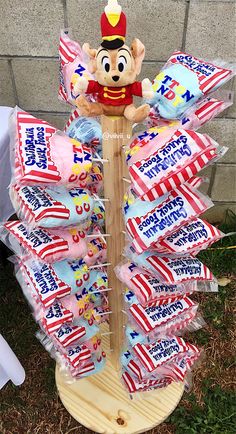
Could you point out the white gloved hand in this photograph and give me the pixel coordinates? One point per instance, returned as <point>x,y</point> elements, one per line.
<point>81,85</point>
<point>147,89</point>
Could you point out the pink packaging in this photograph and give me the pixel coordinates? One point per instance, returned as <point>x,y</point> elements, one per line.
<point>47,245</point>
<point>180,207</point>
<point>97,249</point>
<point>168,317</point>
<point>73,64</point>
<point>147,287</point>
<point>43,155</point>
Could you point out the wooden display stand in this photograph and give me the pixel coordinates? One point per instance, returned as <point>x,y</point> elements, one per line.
<point>100,402</point>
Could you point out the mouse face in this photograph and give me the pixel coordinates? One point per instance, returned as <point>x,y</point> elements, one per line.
<point>116,68</point>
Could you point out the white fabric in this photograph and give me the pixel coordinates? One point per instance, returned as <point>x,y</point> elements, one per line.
<point>6,208</point>
<point>10,367</point>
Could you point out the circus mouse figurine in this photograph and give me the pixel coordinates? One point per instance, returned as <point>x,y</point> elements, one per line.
<point>115,67</point>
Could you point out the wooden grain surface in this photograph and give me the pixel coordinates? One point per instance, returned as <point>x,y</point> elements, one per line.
<point>100,402</point>
<point>117,131</point>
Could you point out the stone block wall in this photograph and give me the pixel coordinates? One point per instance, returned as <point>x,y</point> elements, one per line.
<point>29,59</point>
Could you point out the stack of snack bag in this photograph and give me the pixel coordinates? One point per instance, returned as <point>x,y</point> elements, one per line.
<point>60,251</point>
<point>162,210</point>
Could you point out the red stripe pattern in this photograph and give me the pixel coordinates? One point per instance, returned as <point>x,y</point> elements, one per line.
<point>181,206</point>
<point>210,76</point>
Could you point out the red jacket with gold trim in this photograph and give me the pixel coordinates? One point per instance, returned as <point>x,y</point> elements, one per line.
<point>115,95</point>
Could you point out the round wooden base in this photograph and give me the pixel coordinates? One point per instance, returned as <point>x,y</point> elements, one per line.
<point>101,403</point>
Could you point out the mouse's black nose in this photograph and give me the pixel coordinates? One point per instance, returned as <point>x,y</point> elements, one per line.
<point>115,77</point>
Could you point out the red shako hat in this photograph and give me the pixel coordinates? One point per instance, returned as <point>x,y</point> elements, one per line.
<point>113,26</point>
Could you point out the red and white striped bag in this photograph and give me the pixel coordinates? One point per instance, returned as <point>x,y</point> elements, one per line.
<point>173,163</point>
<point>133,385</point>
<point>189,239</point>
<point>164,319</point>
<point>43,155</point>
<point>181,206</point>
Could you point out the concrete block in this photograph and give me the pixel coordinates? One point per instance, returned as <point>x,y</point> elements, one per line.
<point>224,188</point>
<point>217,213</point>
<point>207,173</point>
<point>158,24</point>
<point>7,97</point>
<point>223,131</point>
<point>231,112</point>
<point>150,70</point>
<point>211,29</point>
<point>30,27</point>
<point>54,119</point>
<point>37,83</point>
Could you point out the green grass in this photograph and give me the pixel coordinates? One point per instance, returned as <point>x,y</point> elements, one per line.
<point>216,416</point>
<point>218,258</point>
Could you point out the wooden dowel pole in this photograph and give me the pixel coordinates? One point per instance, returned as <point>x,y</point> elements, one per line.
<point>117,131</point>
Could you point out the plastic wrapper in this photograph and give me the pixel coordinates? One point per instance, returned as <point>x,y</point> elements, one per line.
<point>43,155</point>
<point>179,326</point>
<point>152,140</point>
<point>86,130</point>
<point>44,245</point>
<point>77,359</point>
<point>58,280</point>
<point>98,215</point>
<point>184,80</point>
<point>97,249</point>
<point>171,162</point>
<point>190,239</point>
<point>95,179</point>
<point>172,269</point>
<point>156,354</point>
<point>147,287</point>
<point>161,219</point>
<point>94,294</point>
<point>177,369</point>
<point>133,385</point>
<point>158,320</point>
<point>196,116</point>
<point>52,207</point>
<point>73,64</point>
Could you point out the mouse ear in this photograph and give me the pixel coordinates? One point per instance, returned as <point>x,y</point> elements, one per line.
<point>91,52</point>
<point>138,52</point>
